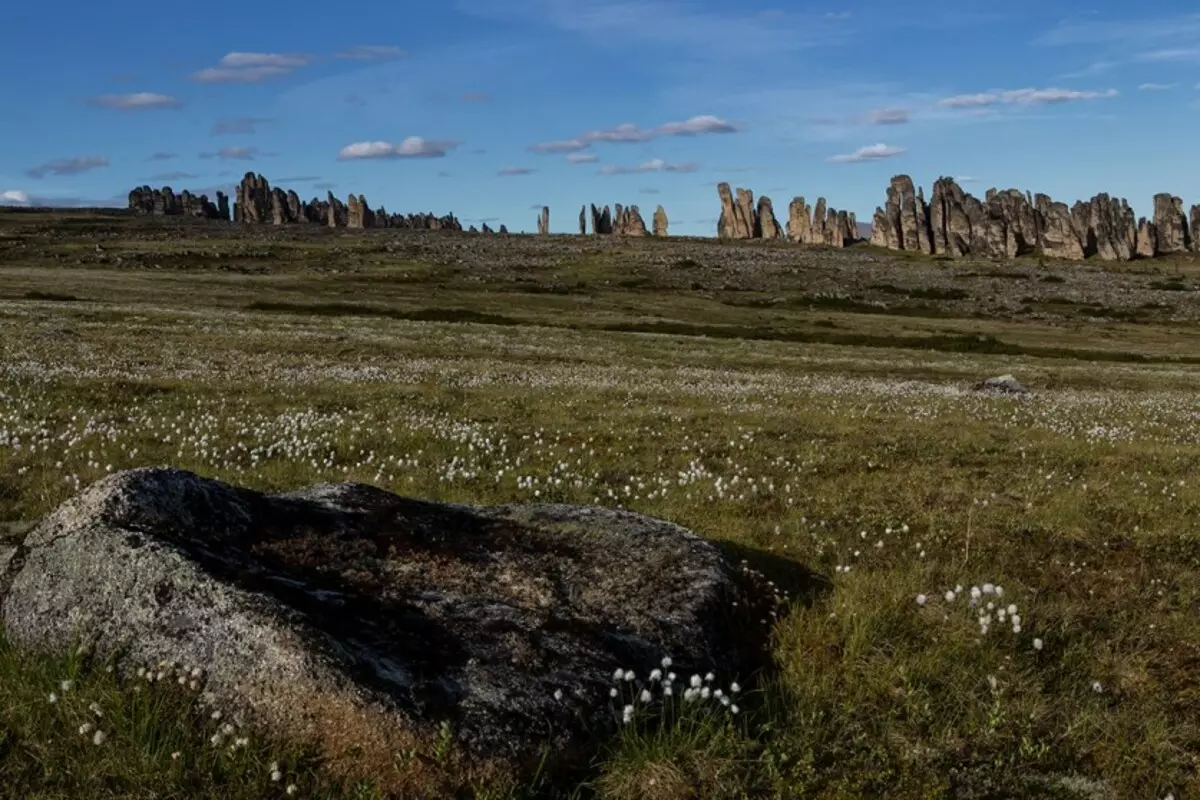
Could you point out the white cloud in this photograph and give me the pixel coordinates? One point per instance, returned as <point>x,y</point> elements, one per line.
<point>582,158</point>
<point>475,97</point>
<point>370,52</point>
<point>561,146</point>
<point>509,171</point>
<point>704,123</point>
<point>412,147</point>
<point>137,101</point>
<point>67,166</point>
<point>625,132</point>
<point>653,165</point>
<point>245,60</point>
<point>966,179</point>
<point>1029,97</point>
<point>14,197</point>
<point>162,156</point>
<point>1156,87</point>
<point>887,116</point>
<point>250,67</point>
<point>871,152</point>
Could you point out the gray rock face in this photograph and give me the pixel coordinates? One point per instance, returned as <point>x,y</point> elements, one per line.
<point>799,226</point>
<point>543,222</point>
<point>737,220</point>
<point>629,222</point>
<point>1057,237</point>
<point>583,220</point>
<point>661,223</point>
<point>1171,225</point>
<point>253,199</point>
<point>1195,227</point>
<point>767,226</point>
<point>347,608</point>
<point>1147,239</point>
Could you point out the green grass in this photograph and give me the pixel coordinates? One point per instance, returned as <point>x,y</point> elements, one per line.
<point>843,429</point>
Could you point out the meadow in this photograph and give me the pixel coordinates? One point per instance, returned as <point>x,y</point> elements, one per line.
<point>1007,586</point>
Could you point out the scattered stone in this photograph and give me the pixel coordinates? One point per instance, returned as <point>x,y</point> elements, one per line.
<point>1004,384</point>
<point>344,608</point>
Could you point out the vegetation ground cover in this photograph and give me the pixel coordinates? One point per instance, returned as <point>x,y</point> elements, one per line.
<point>695,381</point>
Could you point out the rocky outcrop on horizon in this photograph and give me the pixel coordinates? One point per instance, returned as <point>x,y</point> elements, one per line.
<point>821,226</point>
<point>1009,223</point>
<point>629,222</point>
<point>661,223</point>
<point>543,221</point>
<point>257,203</point>
<point>164,202</point>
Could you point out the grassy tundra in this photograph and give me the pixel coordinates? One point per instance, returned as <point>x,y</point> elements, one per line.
<point>1011,585</point>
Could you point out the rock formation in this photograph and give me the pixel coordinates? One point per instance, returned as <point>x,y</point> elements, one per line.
<point>1171,225</point>
<point>799,224</point>
<point>345,608</point>
<point>257,203</point>
<point>737,220</point>
<point>583,220</point>
<point>1195,227</point>
<point>766,227</point>
<point>629,222</point>
<point>1010,223</point>
<point>661,222</point>
<point>164,202</point>
<point>1147,238</point>
<point>543,222</point>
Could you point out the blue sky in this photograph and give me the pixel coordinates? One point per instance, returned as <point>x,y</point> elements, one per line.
<point>489,108</point>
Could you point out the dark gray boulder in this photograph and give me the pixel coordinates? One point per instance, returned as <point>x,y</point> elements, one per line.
<point>347,608</point>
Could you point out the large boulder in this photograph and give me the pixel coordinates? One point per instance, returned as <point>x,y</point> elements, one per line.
<point>1171,225</point>
<point>351,617</point>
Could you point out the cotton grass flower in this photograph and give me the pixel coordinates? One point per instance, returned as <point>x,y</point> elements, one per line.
<point>1037,644</point>
<point>99,737</point>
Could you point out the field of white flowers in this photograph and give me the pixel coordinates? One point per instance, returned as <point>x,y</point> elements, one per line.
<point>1010,584</point>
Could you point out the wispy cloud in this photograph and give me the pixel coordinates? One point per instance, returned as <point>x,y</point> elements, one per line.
<point>1028,97</point>
<point>1184,55</point>
<point>966,179</point>
<point>630,133</point>
<point>582,158</point>
<point>326,185</point>
<point>298,179</point>
<point>67,166</point>
<point>648,191</point>
<point>137,101</point>
<point>871,152</point>
<point>233,154</point>
<point>653,165</point>
<point>728,35</point>
<point>887,116</point>
<point>1129,32</point>
<point>475,97</point>
<point>173,176</point>
<point>510,171</point>
<point>239,125</point>
<point>1156,87</point>
<point>251,67</point>
<point>370,52</point>
<point>412,147</point>
<point>162,156</point>
<point>561,146</point>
